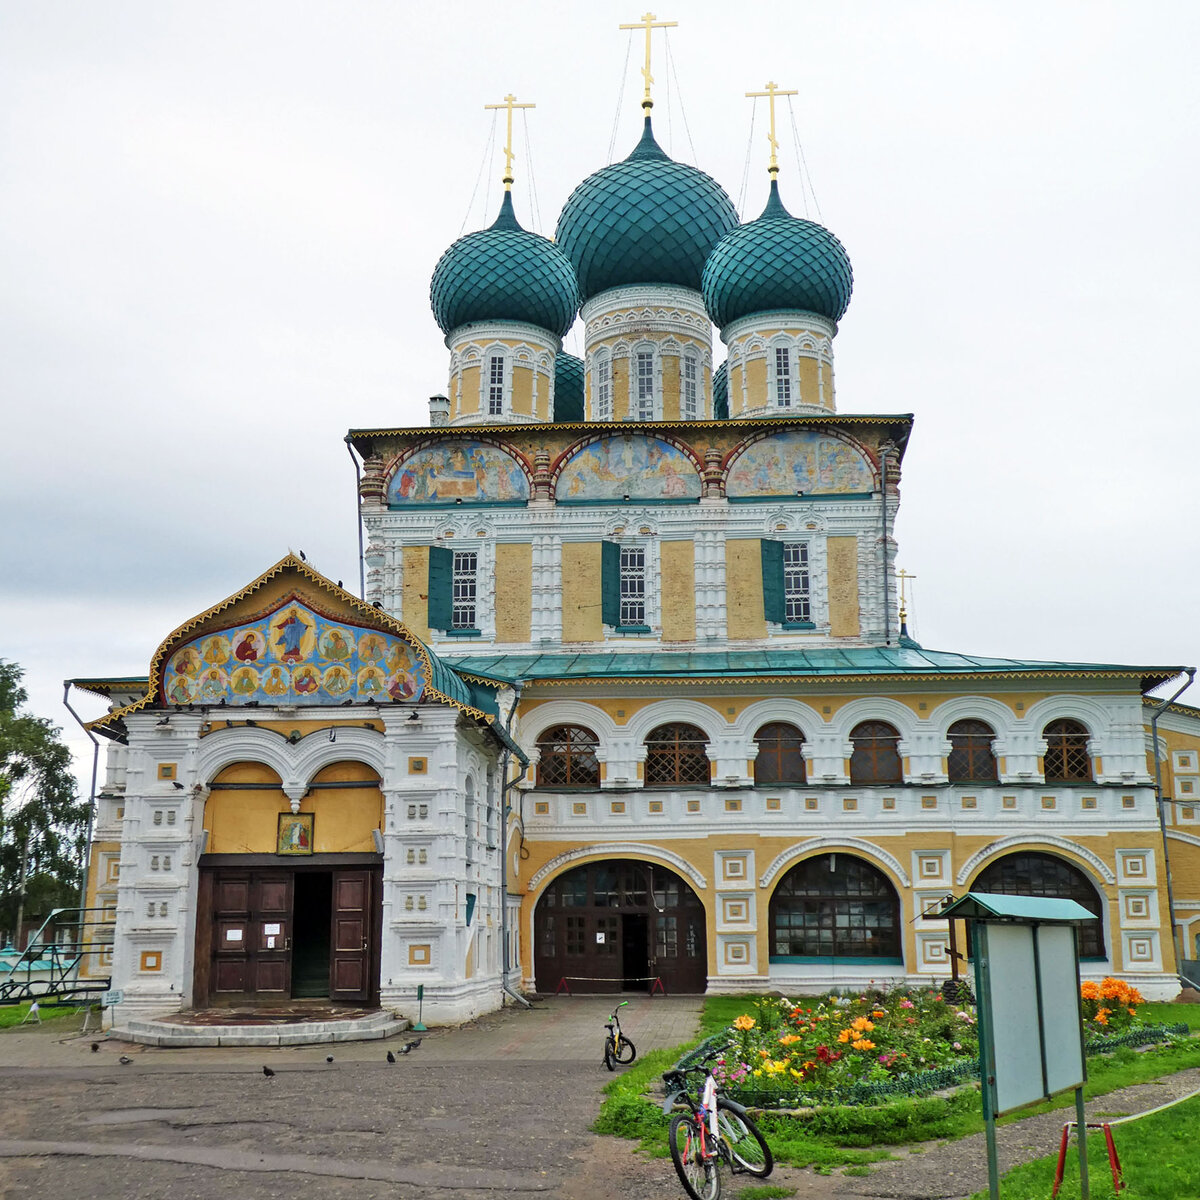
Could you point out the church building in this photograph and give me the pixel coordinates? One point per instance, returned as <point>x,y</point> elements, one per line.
<point>628,702</point>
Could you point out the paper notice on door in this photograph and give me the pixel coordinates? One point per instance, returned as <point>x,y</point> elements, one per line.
<point>233,935</point>
<point>271,942</point>
<point>600,939</point>
<point>272,929</point>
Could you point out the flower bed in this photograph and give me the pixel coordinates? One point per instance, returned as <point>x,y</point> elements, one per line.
<point>866,1048</point>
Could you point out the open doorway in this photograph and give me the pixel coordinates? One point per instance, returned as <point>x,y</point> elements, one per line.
<point>312,913</point>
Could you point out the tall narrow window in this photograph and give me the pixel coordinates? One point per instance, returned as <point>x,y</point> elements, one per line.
<point>633,585</point>
<point>466,565</point>
<point>604,403</point>
<point>783,377</point>
<point>495,385</point>
<point>795,582</point>
<point>644,385</point>
<point>687,388</point>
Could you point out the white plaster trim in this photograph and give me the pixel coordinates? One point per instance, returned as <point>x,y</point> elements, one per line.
<point>621,850</point>
<point>805,849</point>
<point>780,320</point>
<point>1034,841</point>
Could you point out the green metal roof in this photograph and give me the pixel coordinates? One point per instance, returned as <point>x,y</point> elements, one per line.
<point>568,388</point>
<point>911,663</point>
<point>989,905</point>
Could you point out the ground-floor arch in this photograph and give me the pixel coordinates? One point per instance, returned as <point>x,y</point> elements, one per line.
<point>618,925</point>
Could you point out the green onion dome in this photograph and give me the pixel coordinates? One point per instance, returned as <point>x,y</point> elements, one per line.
<point>720,384</point>
<point>647,219</point>
<point>568,387</point>
<point>777,262</point>
<point>504,273</point>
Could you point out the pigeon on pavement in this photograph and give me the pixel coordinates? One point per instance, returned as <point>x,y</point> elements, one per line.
<point>268,1073</point>
<point>391,1057</point>
<point>124,1060</point>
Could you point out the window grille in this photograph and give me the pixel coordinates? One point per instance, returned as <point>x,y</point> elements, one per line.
<point>604,409</point>
<point>876,755</point>
<point>567,757</point>
<point>687,399</point>
<point>780,754</point>
<point>495,385</point>
<point>666,937</point>
<point>633,585</point>
<point>971,759</point>
<point>795,582</point>
<point>676,754</point>
<point>1067,759</point>
<point>644,382</point>
<point>463,584</point>
<point>783,377</point>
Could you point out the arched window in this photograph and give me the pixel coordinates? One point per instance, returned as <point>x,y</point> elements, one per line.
<point>835,906</point>
<point>643,383</point>
<point>1029,873</point>
<point>676,754</point>
<point>1067,759</point>
<point>971,759</point>
<point>567,757</point>
<point>780,754</point>
<point>603,387</point>
<point>689,381</point>
<point>876,755</point>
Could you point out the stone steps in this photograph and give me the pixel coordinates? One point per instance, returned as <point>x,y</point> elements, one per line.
<point>170,1034</point>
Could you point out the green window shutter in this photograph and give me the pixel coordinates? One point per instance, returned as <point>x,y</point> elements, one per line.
<point>610,583</point>
<point>774,608</point>
<point>441,587</point>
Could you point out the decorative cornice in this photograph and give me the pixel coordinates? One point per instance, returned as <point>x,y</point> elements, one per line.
<point>496,330</point>
<point>781,320</point>
<point>644,296</point>
<point>803,850</point>
<point>1035,841</point>
<point>637,850</point>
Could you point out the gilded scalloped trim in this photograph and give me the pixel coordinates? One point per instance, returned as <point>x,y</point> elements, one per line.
<point>288,562</point>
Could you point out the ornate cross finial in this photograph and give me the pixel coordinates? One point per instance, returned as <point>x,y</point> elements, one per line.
<point>648,22</point>
<point>904,577</point>
<point>510,102</point>
<point>772,91</point>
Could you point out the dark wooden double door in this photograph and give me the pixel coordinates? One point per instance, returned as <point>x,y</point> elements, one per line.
<point>269,935</point>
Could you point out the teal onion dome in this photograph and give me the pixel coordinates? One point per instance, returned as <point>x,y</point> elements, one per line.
<point>720,384</point>
<point>646,219</point>
<point>504,273</point>
<point>568,387</point>
<point>777,262</point>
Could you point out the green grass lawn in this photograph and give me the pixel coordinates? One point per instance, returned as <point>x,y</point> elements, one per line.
<point>1160,1159</point>
<point>850,1136</point>
<point>11,1015</point>
<point>1172,1014</point>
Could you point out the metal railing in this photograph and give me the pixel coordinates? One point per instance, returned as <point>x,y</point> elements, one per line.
<point>61,960</point>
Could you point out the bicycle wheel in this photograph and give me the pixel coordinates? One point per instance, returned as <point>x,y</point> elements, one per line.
<point>747,1147</point>
<point>699,1175</point>
<point>610,1058</point>
<point>626,1052</point>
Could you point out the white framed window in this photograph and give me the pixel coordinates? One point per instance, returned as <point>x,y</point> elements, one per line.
<point>642,382</point>
<point>688,387</point>
<point>783,377</point>
<point>633,585</point>
<point>604,396</point>
<point>796,595</point>
<point>464,583</point>
<point>495,385</point>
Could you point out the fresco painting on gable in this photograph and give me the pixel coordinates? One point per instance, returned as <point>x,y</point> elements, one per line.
<point>459,470</point>
<point>798,460</point>
<point>292,656</point>
<point>633,465</point>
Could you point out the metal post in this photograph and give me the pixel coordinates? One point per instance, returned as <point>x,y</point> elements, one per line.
<point>1085,1190</point>
<point>987,1053</point>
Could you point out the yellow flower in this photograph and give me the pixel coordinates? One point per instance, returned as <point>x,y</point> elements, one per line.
<point>864,1044</point>
<point>744,1023</point>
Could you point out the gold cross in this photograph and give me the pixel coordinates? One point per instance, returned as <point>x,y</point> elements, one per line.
<point>648,23</point>
<point>903,576</point>
<point>772,91</point>
<point>510,102</point>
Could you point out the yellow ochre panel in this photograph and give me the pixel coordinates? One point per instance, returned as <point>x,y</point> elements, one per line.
<point>679,591</point>
<point>670,389</point>
<point>514,591</point>
<point>414,598</point>
<point>522,389</point>
<point>842,556</point>
<point>743,589</point>
<point>581,592</point>
<point>464,392</point>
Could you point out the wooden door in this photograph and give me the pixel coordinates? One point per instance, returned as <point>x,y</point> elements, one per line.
<point>251,934</point>
<point>229,976</point>
<point>271,893</point>
<point>352,971</point>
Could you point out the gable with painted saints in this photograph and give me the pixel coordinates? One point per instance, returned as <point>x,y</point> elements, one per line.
<point>458,471</point>
<point>293,655</point>
<point>628,466</point>
<point>799,460</point>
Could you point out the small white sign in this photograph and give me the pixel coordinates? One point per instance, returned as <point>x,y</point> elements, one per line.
<point>270,943</point>
<point>233,935</point>
<point>114,996</point>
<point>600,939</point>
<point>272,929</point>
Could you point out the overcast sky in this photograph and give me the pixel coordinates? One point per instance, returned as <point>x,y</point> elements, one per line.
<point>218,222</point>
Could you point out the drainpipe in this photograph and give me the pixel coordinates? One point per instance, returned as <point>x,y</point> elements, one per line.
<point>1162,817</point>
<point>362,562</point>
<point>885,451</point>
<point>87,843</point>
<point>505,958</point>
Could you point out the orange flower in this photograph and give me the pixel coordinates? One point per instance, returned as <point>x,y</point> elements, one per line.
<point>1089,990</point>
<point>845,1035</point>
<point>879,1013</point>
<point>862,1024</point>
<point>863,1044</point>
<point>744,1023</point>
<point>788,1039</point>
<point>1102,1016</point>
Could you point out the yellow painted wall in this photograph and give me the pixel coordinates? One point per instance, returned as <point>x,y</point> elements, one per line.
<point>810,384</point>
<point>514,591</point>
<point>679,591</point>
<point>620,385</point>
<point>756,384</point>
<point>522,389</point>
<point>670,389</point>
<point>415,591</point>
<point>464,392</point>
<point>842,557</point>
<point>581,592</point>
<point>743,589</point>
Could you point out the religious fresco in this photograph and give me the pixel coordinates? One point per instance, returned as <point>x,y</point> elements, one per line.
<point>799,460</point>
<point>292,656</point>
<point>458,470</point>
<point>633,465</point>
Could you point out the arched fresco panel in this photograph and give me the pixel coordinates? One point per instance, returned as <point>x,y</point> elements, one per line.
<point>292,655</point>
<point>798,460</point>
<point>459,470</point>
<point>629,465</point>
